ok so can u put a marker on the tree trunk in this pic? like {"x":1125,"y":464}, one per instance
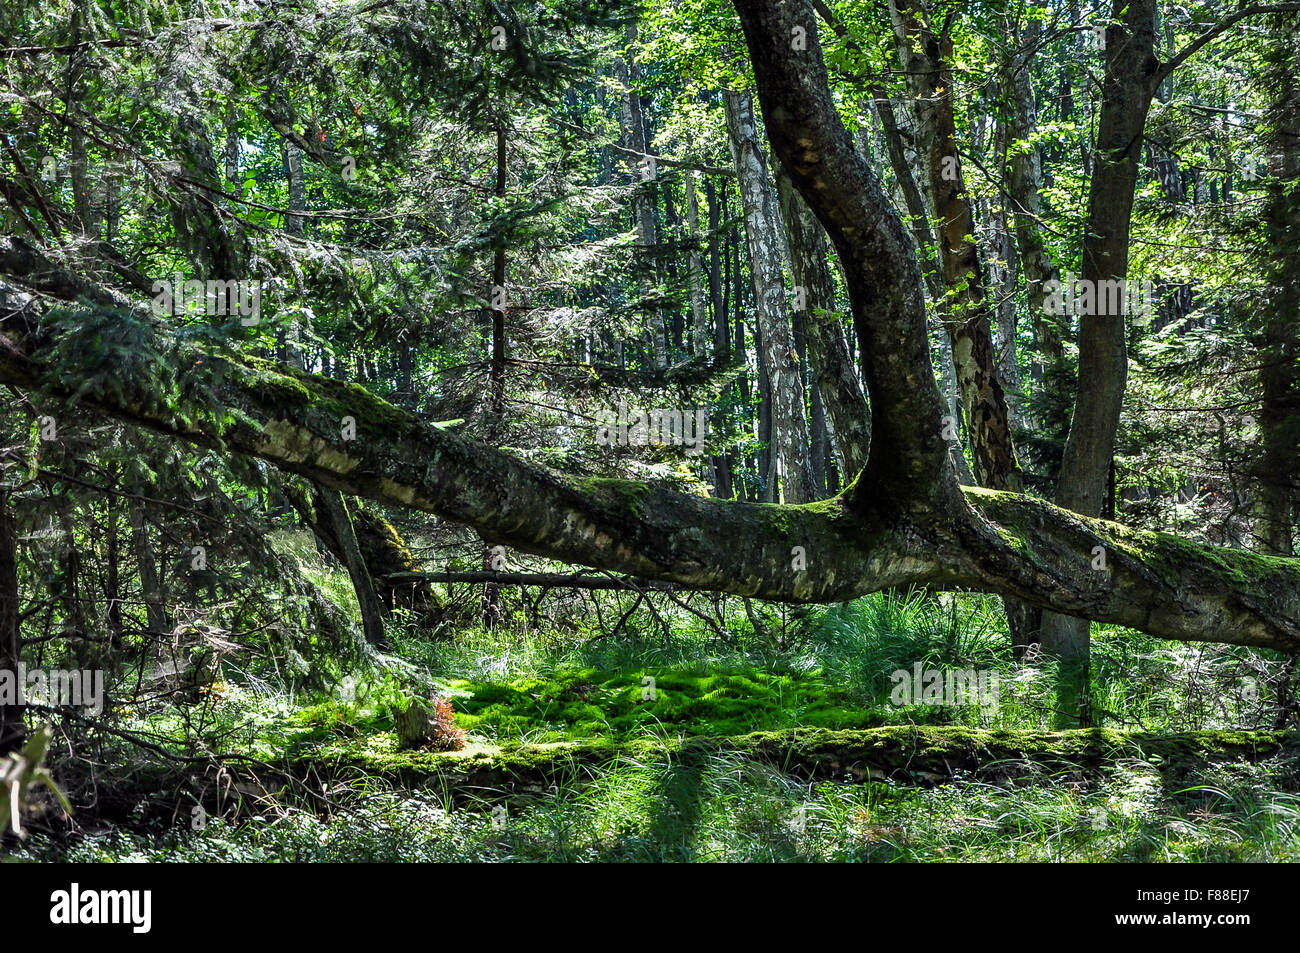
{"x":905,"y":521}
{"x":641,"y":170}
{"x":930,"y":78}
{"x":695,"y":265}
{"x":828,"y":352}
{"x":333,"y":511}
{"x":146,"y":562}
{"x":1279,"y":336}
{"x":1131,"y":77}
{"x":876,"y":535}
{"x":291,"y":338}
{"x":492,"y":612}
{"x":719,"y":288}
{"x":12,"y":729}
{"x":789,"y":425}
{"x":742,"y":357}
{"x":1025,"y":187}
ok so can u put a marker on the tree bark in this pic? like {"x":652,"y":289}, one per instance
{"x":146,"y":562}
{"x":905,"y":521}
{"x":1000,"y":542}
{"x":1024,"y":187}
{"x":291,"y":338}
{"x":382,"y":549}
{"x":491,"y":611}
{"x":330,"y":506}
{"x":635,"y":141}
{"x":924,"y":56}
{"x":695,"y":268}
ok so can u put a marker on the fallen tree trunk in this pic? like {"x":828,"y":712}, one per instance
{"x":904,"y":754}
{"x":903,"y":522}
{"x":997,"y":542}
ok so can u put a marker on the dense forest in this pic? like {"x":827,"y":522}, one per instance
{"x":586,"y":430}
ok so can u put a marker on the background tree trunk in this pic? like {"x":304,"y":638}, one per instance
{"x":1131,"y":77}
{"x":828,"y":353}
{"x":492,"y":612}
{"x":13,"y":731}
{"x":789,"y":425}
{"x":1279,"y":337}
{"x":636,"y":141}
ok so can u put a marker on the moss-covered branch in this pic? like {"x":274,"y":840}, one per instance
{"x":1154,"y":582}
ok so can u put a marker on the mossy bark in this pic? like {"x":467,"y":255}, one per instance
{"x":861,"y":541}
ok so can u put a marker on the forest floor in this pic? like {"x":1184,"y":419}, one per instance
{"x":676,"y":745}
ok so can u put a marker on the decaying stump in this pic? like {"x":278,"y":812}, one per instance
{"x":428,"y":723}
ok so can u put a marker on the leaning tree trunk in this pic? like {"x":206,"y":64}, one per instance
{"x":333,"y":512}
{"x":904,"y":521}
{"x":383,"y":551}
{"x":785,"y":381}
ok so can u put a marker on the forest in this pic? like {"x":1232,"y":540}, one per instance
{"x":614,"y":431}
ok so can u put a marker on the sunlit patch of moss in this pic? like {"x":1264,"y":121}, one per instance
{"x":587,"y":703}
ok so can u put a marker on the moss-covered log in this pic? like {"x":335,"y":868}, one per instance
{"x":903,"y":754}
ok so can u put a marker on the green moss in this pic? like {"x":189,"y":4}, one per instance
{"x":911,"y":753}
{"x":1238,"y":565}
{"x":285,"y":386}
{"x":629,"y":494}
{"x":586,"y":703}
